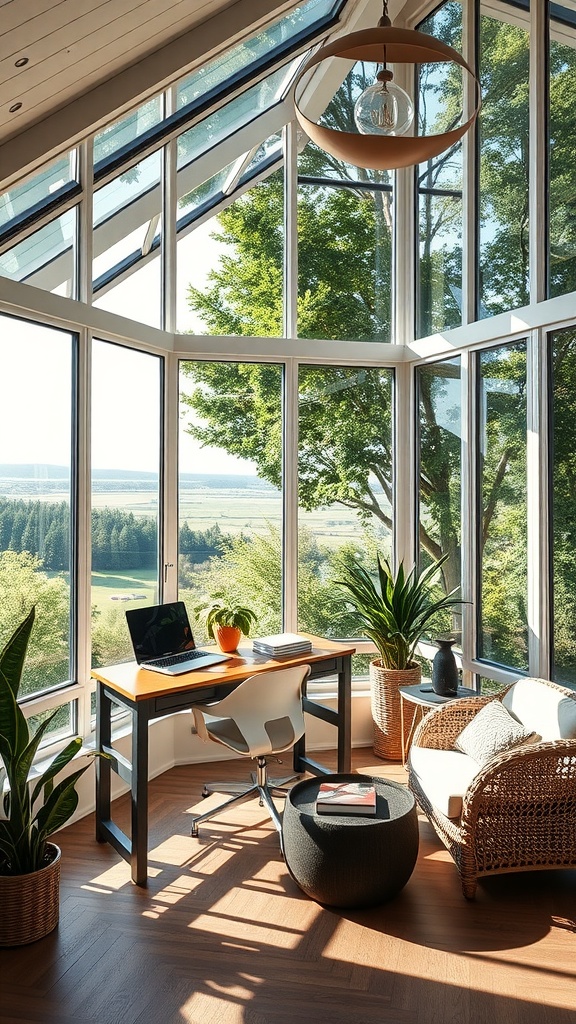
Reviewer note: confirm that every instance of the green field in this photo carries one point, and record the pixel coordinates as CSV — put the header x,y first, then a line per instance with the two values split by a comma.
x,y
106,586
243,510
239,511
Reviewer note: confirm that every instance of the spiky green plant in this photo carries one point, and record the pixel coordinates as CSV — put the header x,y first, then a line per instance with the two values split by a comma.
x,y
32,813
394,610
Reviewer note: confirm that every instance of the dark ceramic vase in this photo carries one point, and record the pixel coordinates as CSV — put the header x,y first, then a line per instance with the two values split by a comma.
x,y
445,670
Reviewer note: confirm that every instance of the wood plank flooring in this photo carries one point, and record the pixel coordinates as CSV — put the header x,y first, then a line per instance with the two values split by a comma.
x,y
223,934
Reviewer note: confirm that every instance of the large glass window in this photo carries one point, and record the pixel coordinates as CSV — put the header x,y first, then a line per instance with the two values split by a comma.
x,y
46,258
344,250
127,243
439,183
230,474
36,365
345,485
126,447
562,178
121,136
230,267
563,498
502,537
440,467
36,193
504,160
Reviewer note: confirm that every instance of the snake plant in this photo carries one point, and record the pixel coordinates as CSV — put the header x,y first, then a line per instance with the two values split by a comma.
x,y
31,811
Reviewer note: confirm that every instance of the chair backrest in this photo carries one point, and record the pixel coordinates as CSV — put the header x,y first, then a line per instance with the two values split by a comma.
x,y
544,707
267,708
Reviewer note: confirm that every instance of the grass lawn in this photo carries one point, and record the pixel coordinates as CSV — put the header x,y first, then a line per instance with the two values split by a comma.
x,y
138,582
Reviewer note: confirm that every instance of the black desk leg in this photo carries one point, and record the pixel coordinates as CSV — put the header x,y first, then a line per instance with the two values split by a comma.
x,y
139,853
102,767
345,716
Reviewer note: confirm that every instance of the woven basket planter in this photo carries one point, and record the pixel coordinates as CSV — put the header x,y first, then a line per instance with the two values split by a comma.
x,y
30,904
385,684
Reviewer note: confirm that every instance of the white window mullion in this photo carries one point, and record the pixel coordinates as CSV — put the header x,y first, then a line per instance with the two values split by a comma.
x,y
85,228
169,215
470,175
290,230
538,517
405,483
538,159
469,517
168,563
290,497
83,529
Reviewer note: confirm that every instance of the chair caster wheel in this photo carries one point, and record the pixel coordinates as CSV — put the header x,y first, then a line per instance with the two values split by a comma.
x,y
194,831
205,793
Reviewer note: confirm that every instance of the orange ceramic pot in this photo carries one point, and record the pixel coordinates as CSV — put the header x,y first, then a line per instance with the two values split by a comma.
x,y
227,637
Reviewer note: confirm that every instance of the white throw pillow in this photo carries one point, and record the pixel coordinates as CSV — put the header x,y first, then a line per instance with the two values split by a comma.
x,y
492,731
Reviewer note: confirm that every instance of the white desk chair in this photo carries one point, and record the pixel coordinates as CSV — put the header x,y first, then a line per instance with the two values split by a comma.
x,y
260,718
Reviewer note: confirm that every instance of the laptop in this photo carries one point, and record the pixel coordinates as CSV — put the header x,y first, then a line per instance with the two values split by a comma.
x,y
163,642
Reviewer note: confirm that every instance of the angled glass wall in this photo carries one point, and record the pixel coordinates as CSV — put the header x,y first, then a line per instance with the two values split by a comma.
x,y
502,512
37,523
562,129
563,501
222,227
345,491
439,289
230,265
503,259
126,498
230,490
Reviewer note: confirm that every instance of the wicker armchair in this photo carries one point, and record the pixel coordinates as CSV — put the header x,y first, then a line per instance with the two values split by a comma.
x,y
518,812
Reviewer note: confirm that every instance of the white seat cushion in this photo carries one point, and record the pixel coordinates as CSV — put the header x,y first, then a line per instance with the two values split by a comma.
x,y
444,775
542,708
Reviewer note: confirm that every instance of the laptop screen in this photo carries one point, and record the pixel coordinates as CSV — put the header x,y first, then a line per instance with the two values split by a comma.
x,y
160,630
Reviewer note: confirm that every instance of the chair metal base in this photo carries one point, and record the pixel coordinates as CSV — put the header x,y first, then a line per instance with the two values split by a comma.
x,y
259,784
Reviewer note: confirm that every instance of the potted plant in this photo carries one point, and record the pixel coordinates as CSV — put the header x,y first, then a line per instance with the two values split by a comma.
x,y
227,623
30,811
393,611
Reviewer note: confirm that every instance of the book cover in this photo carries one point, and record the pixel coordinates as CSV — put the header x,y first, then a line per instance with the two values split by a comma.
x,y
346,798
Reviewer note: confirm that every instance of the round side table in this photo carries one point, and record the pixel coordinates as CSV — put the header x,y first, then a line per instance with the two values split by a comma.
x,y
424,697
346,860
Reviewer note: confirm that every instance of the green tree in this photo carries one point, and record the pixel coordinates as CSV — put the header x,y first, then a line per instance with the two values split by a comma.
x,y
23,584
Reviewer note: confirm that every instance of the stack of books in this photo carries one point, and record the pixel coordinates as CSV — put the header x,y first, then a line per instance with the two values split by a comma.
x,y
346,798
279,644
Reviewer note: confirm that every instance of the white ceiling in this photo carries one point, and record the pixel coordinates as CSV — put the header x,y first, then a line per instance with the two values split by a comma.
x,y
69,66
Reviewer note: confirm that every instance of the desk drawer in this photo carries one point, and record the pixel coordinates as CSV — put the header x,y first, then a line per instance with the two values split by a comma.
x,y
181,701
324,668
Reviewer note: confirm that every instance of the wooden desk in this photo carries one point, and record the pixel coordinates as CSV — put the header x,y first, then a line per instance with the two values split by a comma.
x,y
148,695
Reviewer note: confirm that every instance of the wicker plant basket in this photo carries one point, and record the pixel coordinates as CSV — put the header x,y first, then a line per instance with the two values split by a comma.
x,y
385,684
30,904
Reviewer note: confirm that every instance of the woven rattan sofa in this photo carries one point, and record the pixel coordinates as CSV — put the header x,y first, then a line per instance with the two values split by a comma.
x,y
518,811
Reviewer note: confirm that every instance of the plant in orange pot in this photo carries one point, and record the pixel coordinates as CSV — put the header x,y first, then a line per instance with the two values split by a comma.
x,y
227,623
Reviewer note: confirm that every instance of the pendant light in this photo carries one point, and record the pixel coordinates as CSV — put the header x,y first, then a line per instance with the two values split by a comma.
x,y
384,112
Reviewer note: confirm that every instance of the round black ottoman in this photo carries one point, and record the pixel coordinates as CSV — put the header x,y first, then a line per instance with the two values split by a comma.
x,y
350,860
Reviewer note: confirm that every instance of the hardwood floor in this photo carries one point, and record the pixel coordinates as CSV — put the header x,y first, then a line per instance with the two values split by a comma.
x,y
223,934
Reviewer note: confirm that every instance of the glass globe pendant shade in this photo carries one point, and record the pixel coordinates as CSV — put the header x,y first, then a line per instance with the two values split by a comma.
x,y
384,108
368,146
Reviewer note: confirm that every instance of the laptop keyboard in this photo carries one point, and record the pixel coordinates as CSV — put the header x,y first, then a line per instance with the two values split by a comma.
x,y
177,659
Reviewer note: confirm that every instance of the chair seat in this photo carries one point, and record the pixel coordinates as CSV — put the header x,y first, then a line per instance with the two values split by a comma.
x,y
444,775
262,717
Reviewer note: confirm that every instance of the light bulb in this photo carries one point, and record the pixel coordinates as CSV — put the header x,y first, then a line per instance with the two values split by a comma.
x,y
384,108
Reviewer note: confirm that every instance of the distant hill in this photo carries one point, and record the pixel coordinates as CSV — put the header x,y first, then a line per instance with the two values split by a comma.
x,y
16,479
